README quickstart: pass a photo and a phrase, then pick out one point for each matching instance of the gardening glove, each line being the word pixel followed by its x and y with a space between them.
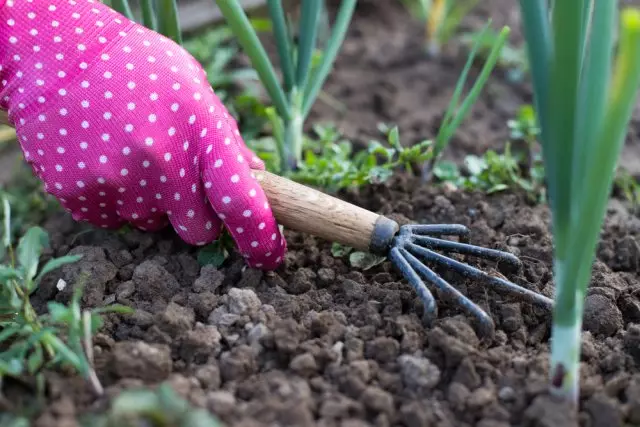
pixel 121 125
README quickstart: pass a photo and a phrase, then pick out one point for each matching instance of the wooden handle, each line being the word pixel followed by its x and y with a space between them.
pixel 304 209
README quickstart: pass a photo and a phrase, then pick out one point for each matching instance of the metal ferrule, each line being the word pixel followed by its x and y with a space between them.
pixel 384 231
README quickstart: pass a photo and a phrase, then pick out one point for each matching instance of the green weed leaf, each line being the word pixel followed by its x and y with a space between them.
pixel 364 260
pixel 58 312
pixel 338 250
pixel 30 249
pixel 56 263
pixel 214 254
pixel 9 273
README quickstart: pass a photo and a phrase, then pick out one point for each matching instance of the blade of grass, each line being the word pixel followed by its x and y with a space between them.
pixel 471 98
pixel 308 33
pixel 459 88
pixel 281 34
pixel 237 20
pixel 148 16
pixel 123 7
pixel 343 18
pixel 169 23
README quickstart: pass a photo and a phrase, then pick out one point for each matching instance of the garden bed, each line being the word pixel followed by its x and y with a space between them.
pixel 322 343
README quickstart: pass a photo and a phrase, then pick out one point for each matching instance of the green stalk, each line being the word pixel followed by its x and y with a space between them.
pixel 148 17
pixel 471 98
pixel 281 35
pixel 586 15
pixel 597 187
pixel 343 18
pixel 308 33
pixel 562 108
pixel 294 135
pixel 241 26
pixel 594 86
pixel 537 32
pixel 237 20
pixel 123 7
pixel 453 102
pixel 169 24
pixel 454 115
pixel 278 135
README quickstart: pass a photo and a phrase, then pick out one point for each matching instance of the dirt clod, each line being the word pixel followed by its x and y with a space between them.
pixel 242 301
pixel 601 315
pixel 418 373
pixel 148 362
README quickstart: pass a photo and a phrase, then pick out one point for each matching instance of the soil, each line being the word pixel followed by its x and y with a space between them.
pixel 319 342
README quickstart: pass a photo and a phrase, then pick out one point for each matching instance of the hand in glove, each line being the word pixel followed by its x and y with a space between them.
pixel 121 125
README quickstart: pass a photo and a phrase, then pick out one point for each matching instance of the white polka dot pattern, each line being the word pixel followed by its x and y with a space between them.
pixel 121 126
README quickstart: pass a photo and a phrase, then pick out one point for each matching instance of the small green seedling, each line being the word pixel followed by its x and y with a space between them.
pixel 301 80
pixel 357 259
pixel 152 408
pixel 457 111
pixel 525 126
pixel 495 172
pixel 31 342
pixel 441 19
pixel 629 186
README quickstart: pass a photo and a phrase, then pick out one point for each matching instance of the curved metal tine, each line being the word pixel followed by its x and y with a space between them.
pixel 474 273
pixel 466 249
pixel 485 322
pixel 440 230
pixel 414 280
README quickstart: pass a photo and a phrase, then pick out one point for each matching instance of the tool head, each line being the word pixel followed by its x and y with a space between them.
pixel 411 246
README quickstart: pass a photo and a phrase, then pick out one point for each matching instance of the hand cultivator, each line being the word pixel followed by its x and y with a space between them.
pixel 408 247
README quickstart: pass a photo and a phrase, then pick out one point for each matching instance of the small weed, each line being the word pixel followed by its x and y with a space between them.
pixel 32 342
pixel 629 186
pixel 494 172
pixel 357 259
pixel 159 408
pixel 330 161
pixel 524 126
pixel 217 252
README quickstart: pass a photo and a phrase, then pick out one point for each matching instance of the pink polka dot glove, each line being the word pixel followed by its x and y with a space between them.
pixel 121 125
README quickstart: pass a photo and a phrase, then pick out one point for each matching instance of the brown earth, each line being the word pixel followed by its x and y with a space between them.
pixel 321 343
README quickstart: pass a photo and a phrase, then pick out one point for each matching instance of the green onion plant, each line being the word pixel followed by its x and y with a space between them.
pixel 301 83
pixel 585 81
